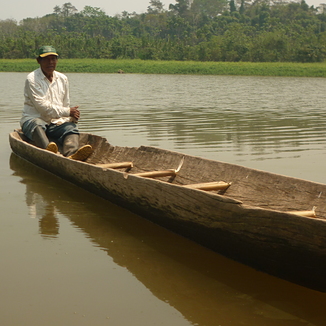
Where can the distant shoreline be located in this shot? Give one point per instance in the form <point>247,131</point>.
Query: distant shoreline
<point>288,69</point>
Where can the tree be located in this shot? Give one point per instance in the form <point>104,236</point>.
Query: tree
<point>89,11</point>
<point>66,10</point>
<point>210,8</point>
<point>181,7</point>
<point>304,5</point>
<point>233,7</point>
<point>155,7</point>
<point>8,27</point>
<point>242,7</point>
<point>57,10</point>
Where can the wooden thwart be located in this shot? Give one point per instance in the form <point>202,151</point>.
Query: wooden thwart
<point>118,165</point>
<point>219,185</point>
<point>163,173</point>
<point>156,174</point>
<point>311,213</point>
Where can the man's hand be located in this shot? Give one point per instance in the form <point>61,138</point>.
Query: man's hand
<point>74,112</point>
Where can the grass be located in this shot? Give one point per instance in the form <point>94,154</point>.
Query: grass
<point>173,67</point>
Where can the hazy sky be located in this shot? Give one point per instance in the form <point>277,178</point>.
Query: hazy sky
<point>19,9</point>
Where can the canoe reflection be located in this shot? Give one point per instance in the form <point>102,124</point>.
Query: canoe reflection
<point>204,287</point>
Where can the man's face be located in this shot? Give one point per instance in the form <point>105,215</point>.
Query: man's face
<point>48,64</point>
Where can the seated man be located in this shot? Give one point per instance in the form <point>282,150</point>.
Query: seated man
<point>47,113</point>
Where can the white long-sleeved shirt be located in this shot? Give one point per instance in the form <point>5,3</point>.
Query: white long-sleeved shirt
<point>46,100</point>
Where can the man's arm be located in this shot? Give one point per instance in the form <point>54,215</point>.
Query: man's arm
<point>74,112</point>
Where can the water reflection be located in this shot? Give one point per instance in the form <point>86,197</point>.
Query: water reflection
<point>244,119</point>
<point>44,211</point>
<point>204,287</point>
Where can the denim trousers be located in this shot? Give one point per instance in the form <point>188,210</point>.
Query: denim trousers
<point>54,132</point>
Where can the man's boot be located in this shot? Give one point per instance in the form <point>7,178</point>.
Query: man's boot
<point>70,148</point>
<point>70,144</point>
<point>41,140</point>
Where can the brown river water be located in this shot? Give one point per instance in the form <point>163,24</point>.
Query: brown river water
<point>71,258</point>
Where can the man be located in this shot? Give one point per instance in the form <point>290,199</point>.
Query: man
<point>47,113</point>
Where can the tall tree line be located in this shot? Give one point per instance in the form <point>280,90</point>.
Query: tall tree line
<point>199,30</point>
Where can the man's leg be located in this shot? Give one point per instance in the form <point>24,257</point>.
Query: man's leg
<point>70,144</point>
<point>82,153</point>
<point>68,135</point>
<point>34,129</point>
<point>41,140</point>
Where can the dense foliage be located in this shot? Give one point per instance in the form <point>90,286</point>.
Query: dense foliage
<point>137,66</point>
<point>198,30</point>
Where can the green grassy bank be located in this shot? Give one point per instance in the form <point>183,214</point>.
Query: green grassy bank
<point>173,67</point>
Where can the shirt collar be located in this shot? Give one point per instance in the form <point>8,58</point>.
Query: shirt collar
<point>45,78</point>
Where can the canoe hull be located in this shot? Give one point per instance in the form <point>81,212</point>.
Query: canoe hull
<point>284,245</point>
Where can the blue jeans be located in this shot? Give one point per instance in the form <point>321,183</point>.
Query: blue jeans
<point>54,132</point>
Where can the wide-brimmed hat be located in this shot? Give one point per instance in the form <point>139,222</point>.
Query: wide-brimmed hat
<point>46,50</point>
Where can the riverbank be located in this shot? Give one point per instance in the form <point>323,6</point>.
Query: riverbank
<point>173,67</point>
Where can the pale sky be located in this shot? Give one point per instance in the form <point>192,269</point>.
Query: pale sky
<point>19,9</point>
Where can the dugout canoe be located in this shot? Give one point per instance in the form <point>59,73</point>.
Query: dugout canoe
<point>273,223</point>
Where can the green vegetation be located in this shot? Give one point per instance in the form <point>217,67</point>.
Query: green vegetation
<point>190,30</point>
<point>173,67</point>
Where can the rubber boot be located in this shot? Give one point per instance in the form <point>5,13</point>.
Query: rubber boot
<point>70,148</point>
<point>70,144</point>
<point>41,140</point>
<point>82,154</point>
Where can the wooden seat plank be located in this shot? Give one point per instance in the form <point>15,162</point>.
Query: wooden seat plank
<point>118,165</point>
<point>217,185</point>
<point>156,174</point>
<point>311,213</point>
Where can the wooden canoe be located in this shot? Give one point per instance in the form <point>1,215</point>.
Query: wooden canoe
<point>274,223</point>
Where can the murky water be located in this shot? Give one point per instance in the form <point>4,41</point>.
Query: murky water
<point>71,258</point>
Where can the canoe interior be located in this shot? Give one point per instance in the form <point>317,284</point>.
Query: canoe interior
<point>251,187</point>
